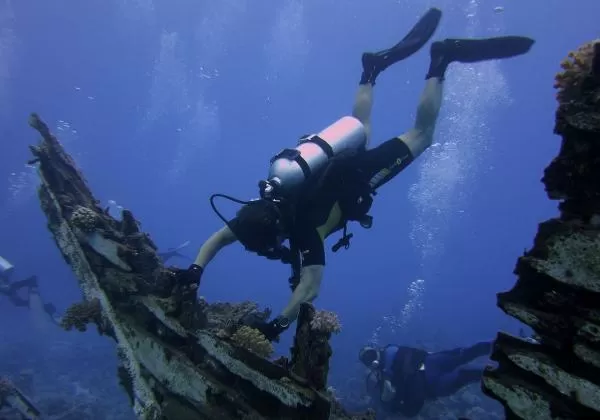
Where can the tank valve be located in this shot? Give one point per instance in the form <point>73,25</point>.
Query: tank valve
<point>267,189</point>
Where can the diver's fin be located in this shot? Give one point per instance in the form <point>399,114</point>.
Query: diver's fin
<point>473,50</point>
<point>28,282</point>
<point>375,63</point>
<point>174,252</point>
<point>180,247</point>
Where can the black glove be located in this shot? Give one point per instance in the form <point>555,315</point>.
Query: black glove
<point>271,329</point>
<point>193,274</point>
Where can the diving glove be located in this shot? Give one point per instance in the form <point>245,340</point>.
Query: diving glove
<point>272,329</point>
<point>193,274</point>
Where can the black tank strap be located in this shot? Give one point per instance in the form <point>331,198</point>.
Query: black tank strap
<point>321,143</point>
<point>293,154</point>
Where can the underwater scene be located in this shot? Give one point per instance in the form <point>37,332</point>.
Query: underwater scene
<point>299,210</point>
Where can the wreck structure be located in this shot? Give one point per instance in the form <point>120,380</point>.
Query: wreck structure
<point>557,293</point>
<point>180,357</point>
<point>15,404</point>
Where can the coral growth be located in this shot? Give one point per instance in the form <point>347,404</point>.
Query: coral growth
<point>84,219</point>
<point>326,322</point>
<point>576,68</point>
<point>253,340</point>
<point>556,293</point>
<point>80,314</point>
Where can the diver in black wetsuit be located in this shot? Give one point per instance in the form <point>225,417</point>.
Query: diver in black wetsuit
<point>307,199</point>
<point>12,289</point>
<point>403,378</point>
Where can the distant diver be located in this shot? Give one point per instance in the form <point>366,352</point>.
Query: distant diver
<point>330,178</point>
<point>173,252</point>
<point>29,285</point>
<point>401,378</point>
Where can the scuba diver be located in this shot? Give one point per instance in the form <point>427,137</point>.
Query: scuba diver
<point>11,290</point>
<point>330,178</point>
<point>403,378</point>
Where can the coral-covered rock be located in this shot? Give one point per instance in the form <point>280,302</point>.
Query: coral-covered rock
<point>557,292</point>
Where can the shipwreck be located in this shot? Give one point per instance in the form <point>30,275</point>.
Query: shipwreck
<point>180,357</point>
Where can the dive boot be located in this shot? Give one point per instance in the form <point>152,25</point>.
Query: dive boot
<point>473,50</point>
<point>375,63</point>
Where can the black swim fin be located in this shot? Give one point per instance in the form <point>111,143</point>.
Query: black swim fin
<point>473,50</point>
<point>375,63</point>
<point>29,282</point>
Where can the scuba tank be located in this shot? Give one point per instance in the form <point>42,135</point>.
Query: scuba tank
<point>290,168</point>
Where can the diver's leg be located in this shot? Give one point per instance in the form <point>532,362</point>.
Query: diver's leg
<point>446,361</point>
<point>449,383</point>
<point>363,104</point>
<point>396,154</point>
<point>374,63</point>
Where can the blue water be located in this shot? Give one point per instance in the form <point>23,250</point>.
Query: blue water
<point>164,102</point>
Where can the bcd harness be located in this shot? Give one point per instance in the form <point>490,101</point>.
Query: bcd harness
<point>355,198</point>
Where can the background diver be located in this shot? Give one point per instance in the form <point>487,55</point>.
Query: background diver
<point>14,290</point>
<point>330,178</point>
<point>173,252</point>
<point>403,378</point>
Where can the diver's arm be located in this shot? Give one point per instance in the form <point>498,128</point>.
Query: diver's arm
<point>213,245</point>
<point>307,290</point>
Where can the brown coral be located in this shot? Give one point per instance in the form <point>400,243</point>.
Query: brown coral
<point>80,314</point>
<point>253,340</point>
<point>576,68</point>
<point>84,219</point>
<point>326,322</point>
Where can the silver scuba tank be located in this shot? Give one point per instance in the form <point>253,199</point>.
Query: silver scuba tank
<point>291,167</point>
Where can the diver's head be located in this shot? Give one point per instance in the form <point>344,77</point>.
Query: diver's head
<point>259,226</point>
<point>369,356</point>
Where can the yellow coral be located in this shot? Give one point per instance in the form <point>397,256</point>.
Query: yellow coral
<point>253,340</point>
<point>576,67</point>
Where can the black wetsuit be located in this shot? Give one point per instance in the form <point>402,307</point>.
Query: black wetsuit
<point>418,376</point>
<point>325,213</point>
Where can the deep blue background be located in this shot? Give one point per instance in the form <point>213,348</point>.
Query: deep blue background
<point>174,100</point>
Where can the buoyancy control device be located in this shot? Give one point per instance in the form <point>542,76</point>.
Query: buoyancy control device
<point>291,168</point>
<point>289,172</point>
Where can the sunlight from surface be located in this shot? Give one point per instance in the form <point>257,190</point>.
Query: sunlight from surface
<point>179,90</point>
